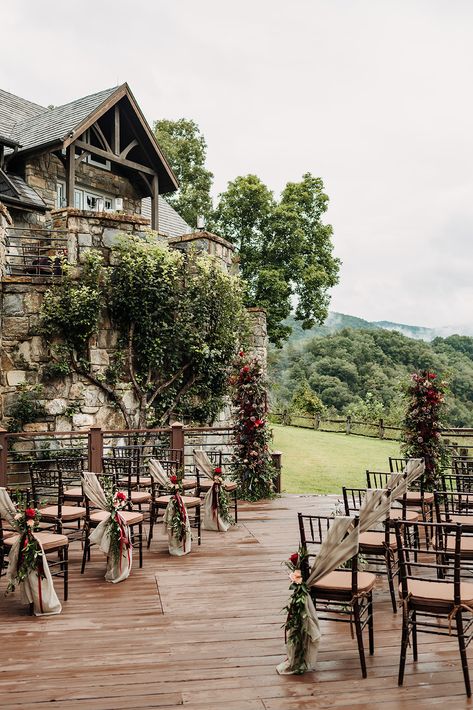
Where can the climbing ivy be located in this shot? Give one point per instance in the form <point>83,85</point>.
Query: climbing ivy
<point>180,319</point>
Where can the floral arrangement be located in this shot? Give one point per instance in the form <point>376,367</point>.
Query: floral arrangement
<point>179,512</point>
<point>30,557</point>
<point>220,502</point>
<point>294,627</point>
<point>252,466</point>
<point>119,539</point>
<point>423,423</point>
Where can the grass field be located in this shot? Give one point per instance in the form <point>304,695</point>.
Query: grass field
<point>322,462</point>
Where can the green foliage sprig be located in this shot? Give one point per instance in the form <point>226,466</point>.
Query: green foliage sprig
<point>423,423</point>
<point>252,465</point>
<point>295,610</point>
<point>30,557</point>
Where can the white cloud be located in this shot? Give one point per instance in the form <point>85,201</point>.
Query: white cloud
<point>374,96</point>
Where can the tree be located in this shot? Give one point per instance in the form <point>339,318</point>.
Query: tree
<point>186,149</point>
<point>305,401</point>
<point>180,321</point>
<point>285,248</point>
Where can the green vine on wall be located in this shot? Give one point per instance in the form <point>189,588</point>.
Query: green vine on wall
<point>180,319</point>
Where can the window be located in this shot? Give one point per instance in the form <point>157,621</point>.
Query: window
<point>90,137</point>
<point>85,200</point>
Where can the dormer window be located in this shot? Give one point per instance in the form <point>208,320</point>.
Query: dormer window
<point>91,159</point>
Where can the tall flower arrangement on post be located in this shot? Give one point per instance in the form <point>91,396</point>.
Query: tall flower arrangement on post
<point>252,466</point>
<point>423,423</point>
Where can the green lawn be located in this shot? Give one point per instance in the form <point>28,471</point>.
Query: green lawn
<point>322,462</point>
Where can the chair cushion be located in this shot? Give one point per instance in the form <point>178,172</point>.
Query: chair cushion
<point>438,592</point>
<point>74,493</point>
<point>376,539</point>
<point>466,520</point>
<point>229,486</point>
<point>139,496</point>
<point>49,541</point>
<point>410,515</point>
<point>415,497</point>
<point>144,481</point>
<point>131,517</point>
<point>68,512</point>
<point>340,580</point>
<point>188,483</point>
<point>189,501</point>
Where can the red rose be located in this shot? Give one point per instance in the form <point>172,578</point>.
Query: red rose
<point>173,478</point>
<point>120,495</point>
<point>218,470</point>
<point>241,353</point>
<point>246,368</point>
<point>294,559</point>
<point>259,422</point>
<point>30,513</point>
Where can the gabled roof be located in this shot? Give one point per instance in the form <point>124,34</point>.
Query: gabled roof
<point>171,223</point>
<point>36,128</point>
<point>55,124</point>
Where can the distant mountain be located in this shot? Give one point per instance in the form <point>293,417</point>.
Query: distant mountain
<point>338,321</point>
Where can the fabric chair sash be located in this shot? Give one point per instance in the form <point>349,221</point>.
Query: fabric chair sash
<point>35,589</point>
<point>118,568</point>
<point>177,547</point>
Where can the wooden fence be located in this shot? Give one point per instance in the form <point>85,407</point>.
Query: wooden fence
<point>461,437</point>
<point>18,450</point>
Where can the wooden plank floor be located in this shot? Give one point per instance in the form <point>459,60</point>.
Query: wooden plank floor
<point>204,632</point>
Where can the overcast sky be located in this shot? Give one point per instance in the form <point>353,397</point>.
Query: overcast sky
<point>374,96</point>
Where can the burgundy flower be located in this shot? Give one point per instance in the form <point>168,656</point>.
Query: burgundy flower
<point>30,513</point>
<point>120,495</point>
<point>294,558</point>
<point>173,478</point>
<point>217,470</point>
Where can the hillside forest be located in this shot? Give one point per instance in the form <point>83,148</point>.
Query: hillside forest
<point>361,372</point>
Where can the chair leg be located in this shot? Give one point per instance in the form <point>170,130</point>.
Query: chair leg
<point>65,571</point>
<point>140,543</point>
<point>359,637</point>
<point>235,497</point>
<point>404,642</point>
<point>152,515</point>
<point>390,575</point>
<point>414,635</point>
<point>371,623</point>
<point>199,522</point>
<point>86,551</point>
<point>464,658</point>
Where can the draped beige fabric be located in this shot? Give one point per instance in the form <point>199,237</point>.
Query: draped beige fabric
<point>33,590</point>
<point>399,483</point>
<point>374,508</point>
<point>117,569</point>
<point>212,519</point>
<point>177,547</point>
<point>340,544</point>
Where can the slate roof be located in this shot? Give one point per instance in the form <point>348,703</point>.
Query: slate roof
<point>55,124</point>
<point>14,109</point>
<point>15,191</point>
<point>171,223</point>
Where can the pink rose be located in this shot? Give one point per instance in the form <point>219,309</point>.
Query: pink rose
<point>296,576</point>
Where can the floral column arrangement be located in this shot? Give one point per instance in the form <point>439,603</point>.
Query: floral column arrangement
<point>252,466</point>
<point>423,423</point>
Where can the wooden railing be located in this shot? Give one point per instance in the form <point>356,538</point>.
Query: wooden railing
<point>18,450</point>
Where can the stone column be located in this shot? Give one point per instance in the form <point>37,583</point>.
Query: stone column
<point>259,334</point>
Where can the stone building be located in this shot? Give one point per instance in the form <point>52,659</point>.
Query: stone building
<point>72,178</point>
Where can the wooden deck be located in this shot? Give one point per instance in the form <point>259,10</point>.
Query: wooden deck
<point>204,632</point>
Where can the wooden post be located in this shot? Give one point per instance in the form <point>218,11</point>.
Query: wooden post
<point>276,456</point>
<point>348,425</point>
<point>116,131</point>
<point>155,205</point>
<point>381,429</point>
<point>95,449</point>
<point>70,174</point>
<point>177,437</point>
<point>3,457</point>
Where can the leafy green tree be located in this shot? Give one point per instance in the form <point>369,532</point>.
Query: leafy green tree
<point>180,322</point>
<point>285,248</point>
<point>186,149</point>
<point>305,401</point>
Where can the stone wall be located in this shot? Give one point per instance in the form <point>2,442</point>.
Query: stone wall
<point>73,402</point>
<point>208,243</point>
<point>43,172</point>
